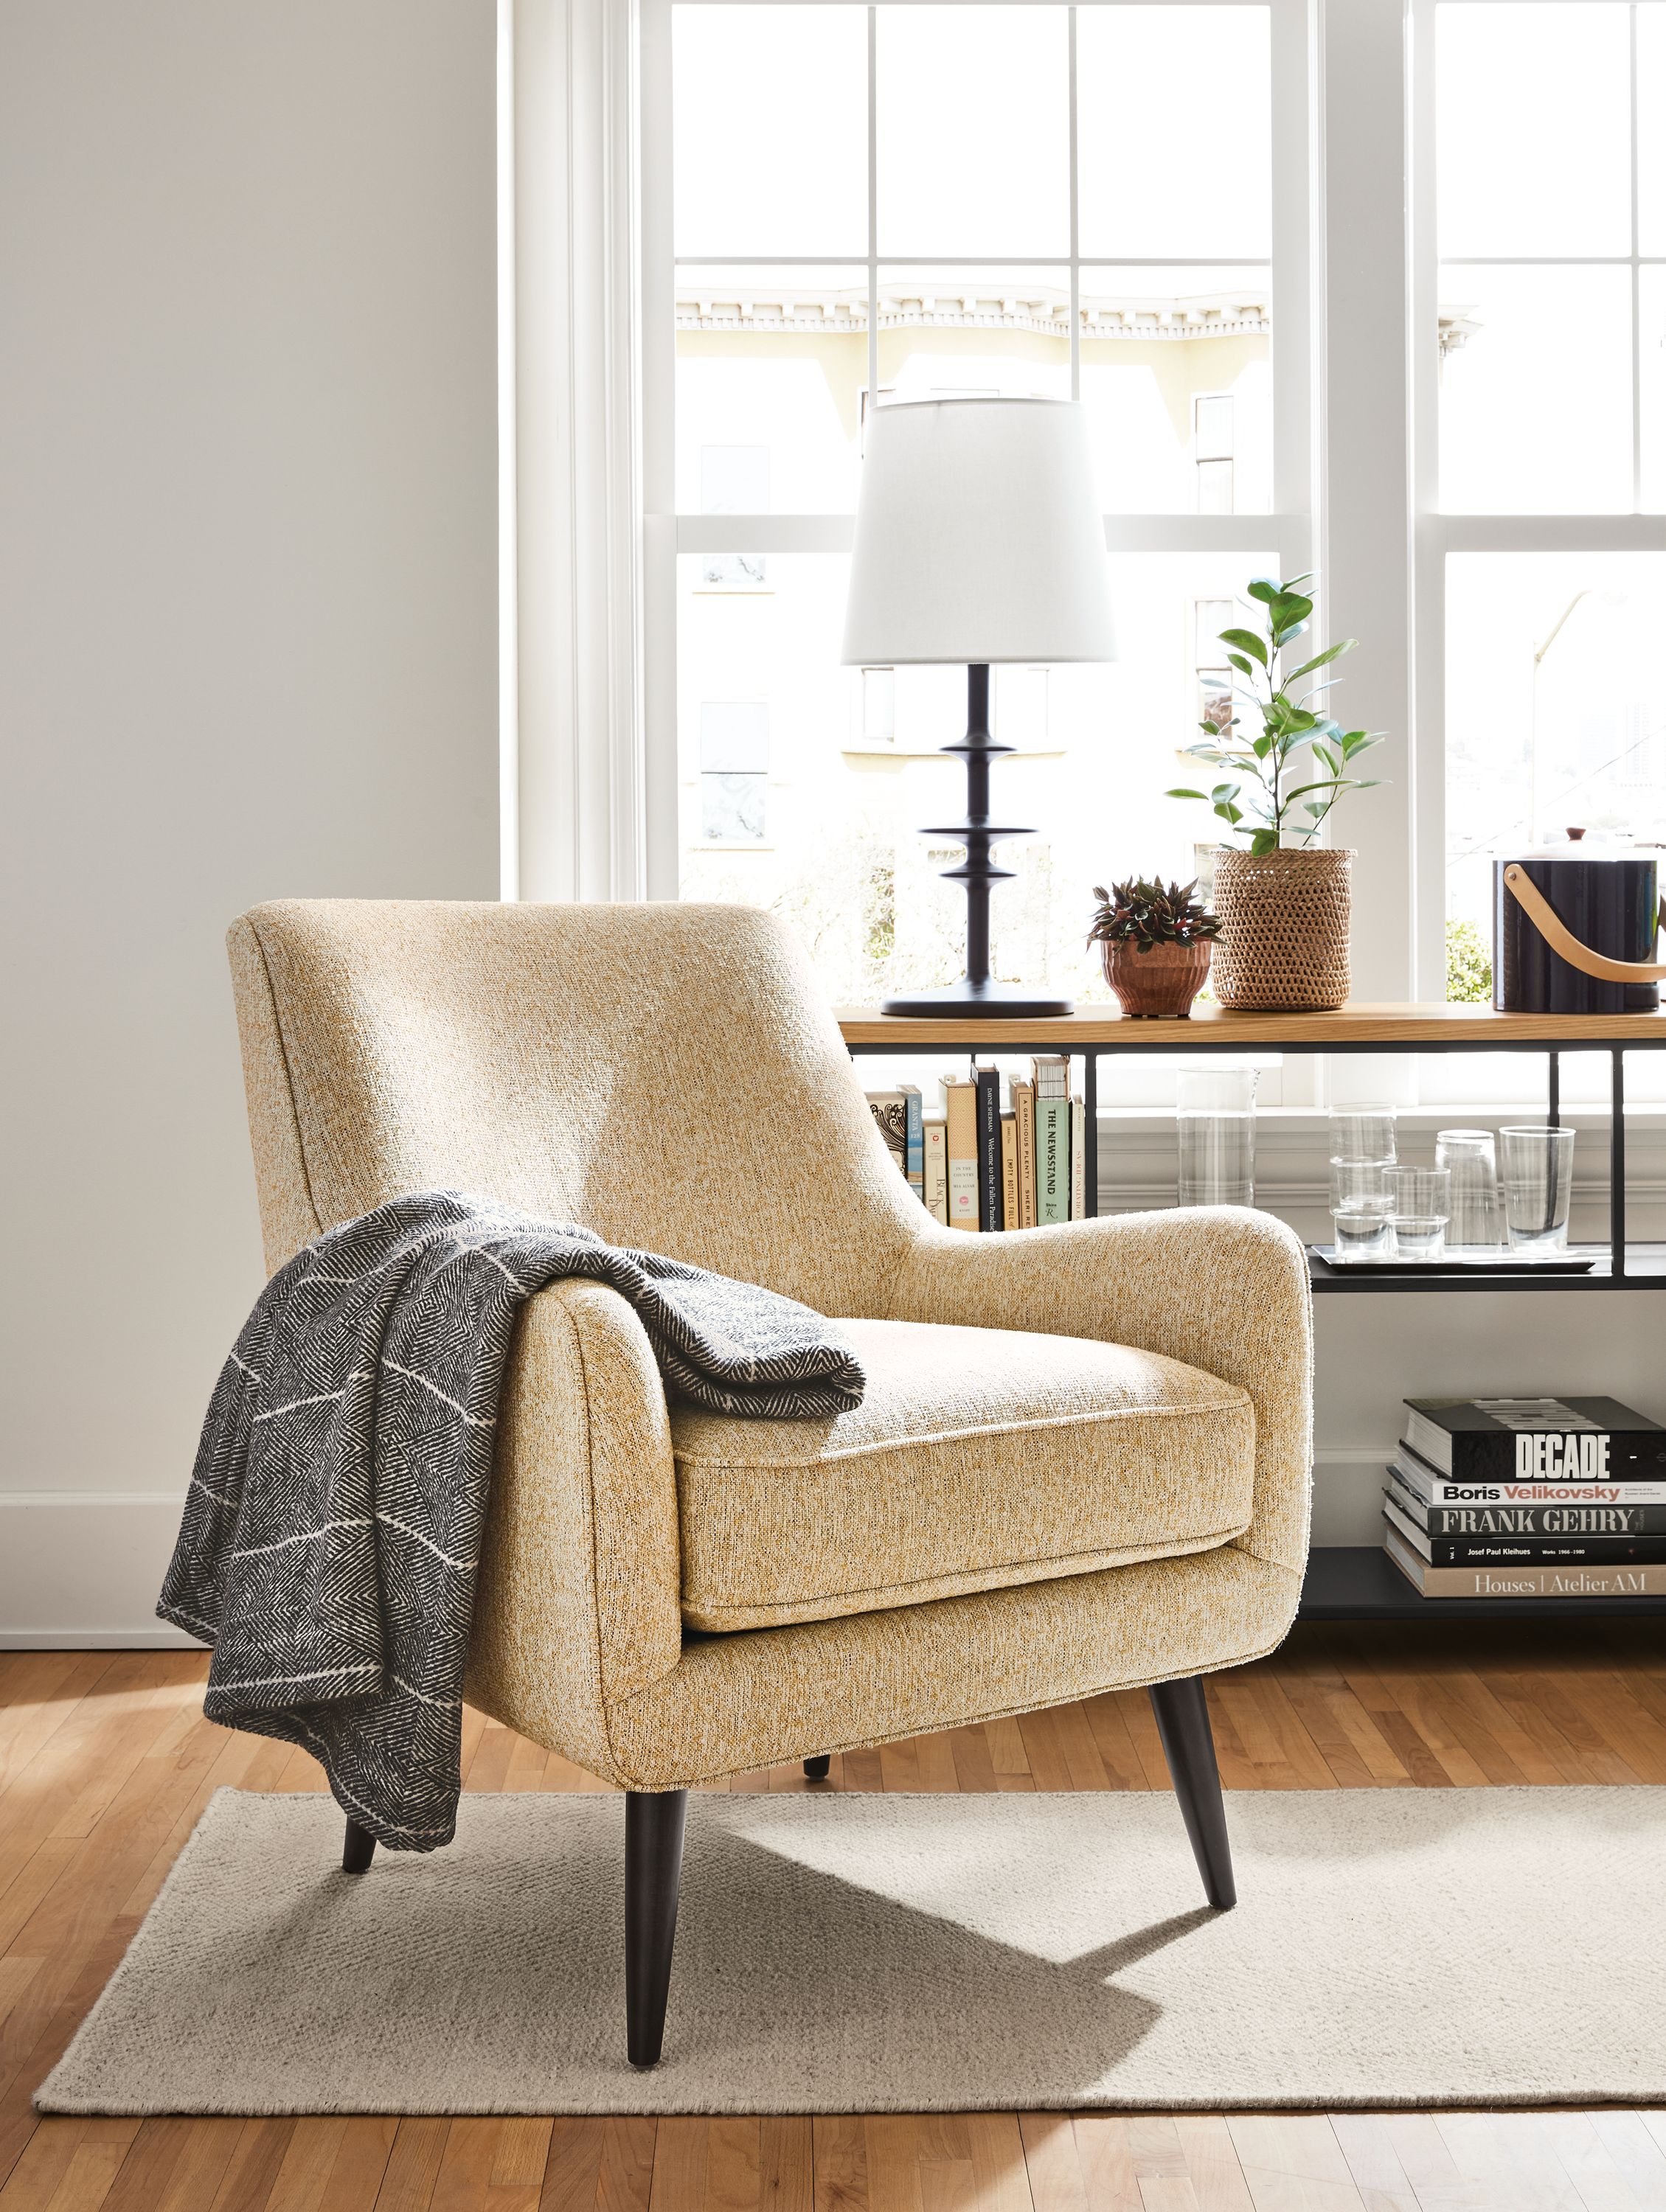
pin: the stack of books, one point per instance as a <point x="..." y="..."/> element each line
<point x="1528" y="1498"/>
<point x="989" y="1161"/>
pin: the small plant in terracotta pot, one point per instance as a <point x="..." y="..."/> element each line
<point x="1155" y="940"/>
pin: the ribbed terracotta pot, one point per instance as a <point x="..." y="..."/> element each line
<point x="1159" y="983"/>
<point x="1283" y="945"/>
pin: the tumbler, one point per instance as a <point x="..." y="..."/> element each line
<point x="1471" y="1155"/>
<point x="1216" y="1128"/>
<point x="1538" y="1188"/>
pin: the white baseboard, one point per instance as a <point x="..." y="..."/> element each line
<point x="80" y="1569"/>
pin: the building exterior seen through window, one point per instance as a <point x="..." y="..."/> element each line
<point x="918" y="231"/>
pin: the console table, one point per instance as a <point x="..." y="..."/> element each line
<point x="1349" y="1582"/>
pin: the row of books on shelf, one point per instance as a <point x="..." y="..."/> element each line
<point x="985" y="1158"/>
<point x="1503" y="1498"/>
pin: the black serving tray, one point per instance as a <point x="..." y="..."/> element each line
<point x="1564" y="1263"/>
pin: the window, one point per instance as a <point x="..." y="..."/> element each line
<point x="1024" y="199"/>
<point x="1542" y="422"/>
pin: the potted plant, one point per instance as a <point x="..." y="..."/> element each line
<point x="1283" y="900"/>
<point x="1155" y="942"/>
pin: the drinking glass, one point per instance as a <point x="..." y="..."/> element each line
<point x="1470" y="1156"/>
<point x="1420" y="1206"/>
<point x="1216" y="1127"/>
<point x="1359" y="1210"/>
<point x="1538" y="1188"/>
<point x="1362" y="1132"/>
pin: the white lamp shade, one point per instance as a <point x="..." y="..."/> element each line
<point x="978" y="537"/>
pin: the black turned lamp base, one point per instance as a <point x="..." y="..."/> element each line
<point x="974" y="994"/>
<point x="969" y="1001"/>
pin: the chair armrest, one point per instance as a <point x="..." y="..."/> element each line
<point x="1222" y="1288"/>
<point x="577" y="1603"/>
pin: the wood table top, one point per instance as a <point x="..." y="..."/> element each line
<point x="1357" y="1025"/>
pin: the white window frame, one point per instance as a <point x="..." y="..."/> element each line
<point x="1437" y="534"/>
<point x="1288" y="530"/>
<point x="592" y="535"/>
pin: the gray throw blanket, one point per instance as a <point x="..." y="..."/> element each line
<point x="333" y="1523"/>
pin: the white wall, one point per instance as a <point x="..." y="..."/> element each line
<point x="248" y="649"/>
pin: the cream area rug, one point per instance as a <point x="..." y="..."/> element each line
<point x="914" y="1953"/>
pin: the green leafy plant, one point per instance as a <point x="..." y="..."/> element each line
<point x="1144" y="915"/>
<point x="1469" y="966"/>
<point x="1291" y="771"/>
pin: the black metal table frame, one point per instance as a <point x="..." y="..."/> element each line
<point x="1213" y="1037"/>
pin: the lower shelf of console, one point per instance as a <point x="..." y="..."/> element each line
<point x="1360" y="1582"/>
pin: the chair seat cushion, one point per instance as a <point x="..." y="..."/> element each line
<point x="979" y="1458"/>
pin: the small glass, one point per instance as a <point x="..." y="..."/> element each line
<point x="1420" y="1206"/>
<point x="1538" y="1188"/>
<point x="1362" y="1132"/>
<point x="1359" y="1211"/>
<point x="1471" y="1155"/>
<point x="1216" y="1127"/>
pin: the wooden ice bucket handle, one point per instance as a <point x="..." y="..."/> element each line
<point x="1561" y="939"/>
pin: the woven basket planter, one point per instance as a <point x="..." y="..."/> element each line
<point x="1283" y="945"/>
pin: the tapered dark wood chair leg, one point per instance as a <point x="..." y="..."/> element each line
<point x="358" y="1851"/>
<point x="816" y="1766"/>
<point x="654" y="1873"/>
<point x="1188" y="1745"/>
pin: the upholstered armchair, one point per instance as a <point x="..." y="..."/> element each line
<point x="1081" y="1464"/>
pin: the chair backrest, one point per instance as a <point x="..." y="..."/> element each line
<point x="668" y="1075"/>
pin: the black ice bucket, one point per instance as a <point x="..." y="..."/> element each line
<point x="1573" y="932"/>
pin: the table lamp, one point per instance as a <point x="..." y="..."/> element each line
<point x="978" y="539"/>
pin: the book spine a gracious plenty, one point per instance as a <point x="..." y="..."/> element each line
<point x="1416" y="1475"/>
<point x="1506" y="1582"/>
<point x="960" y="1113"/>
<point x="1023" y="1113"/>
<point x="935" y="1147"/>
<point x="1506" y="1551"/>
<point x="1078" y="1160"/>
<point x="991" y="1212"/>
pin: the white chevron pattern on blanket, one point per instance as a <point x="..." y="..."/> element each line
<point x="333" y="1522"/>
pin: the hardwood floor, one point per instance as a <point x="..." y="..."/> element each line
<point x="106" y="1761"/>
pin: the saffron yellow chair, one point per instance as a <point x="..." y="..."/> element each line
<point x="1081" y="1464"/>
